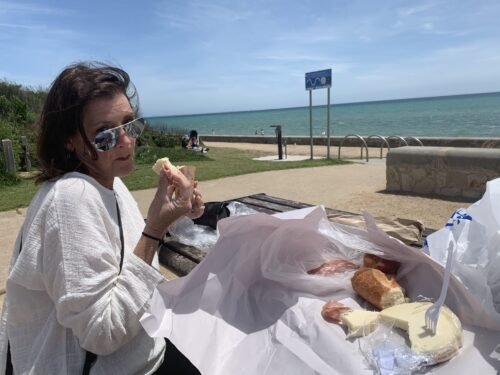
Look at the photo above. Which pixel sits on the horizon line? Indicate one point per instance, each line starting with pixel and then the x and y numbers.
pixel 324 105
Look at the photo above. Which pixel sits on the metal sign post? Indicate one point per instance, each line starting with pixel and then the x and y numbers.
pixel 319 80
pixel 311 122
pixel 328 126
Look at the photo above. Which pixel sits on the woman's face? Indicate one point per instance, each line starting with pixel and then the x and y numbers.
pixel 101 114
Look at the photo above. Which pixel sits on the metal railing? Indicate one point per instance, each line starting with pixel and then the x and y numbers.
pixel 402 141
pixel 384 141
pixel 381 143
pixel 361 139
pixel 416 140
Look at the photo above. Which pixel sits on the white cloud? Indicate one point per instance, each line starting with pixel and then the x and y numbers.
pixel 195 15
pixel 428 26
pixel 370 77
pixel 19 7
pixel 406 12
pixel 307 37
pixel 22 26
pixel 289 57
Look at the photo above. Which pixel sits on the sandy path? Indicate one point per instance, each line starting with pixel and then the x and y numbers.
pixel 291 149
pixel 352 187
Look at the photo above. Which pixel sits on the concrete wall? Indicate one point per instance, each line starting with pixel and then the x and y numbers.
pixel 480 142
pixel 443 171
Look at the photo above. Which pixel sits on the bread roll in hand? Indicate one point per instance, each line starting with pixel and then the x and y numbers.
pixel 187 170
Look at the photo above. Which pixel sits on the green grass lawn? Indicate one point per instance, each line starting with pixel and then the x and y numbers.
pixel 217 163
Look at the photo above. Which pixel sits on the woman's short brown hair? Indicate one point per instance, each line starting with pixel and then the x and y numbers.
pixel 62 113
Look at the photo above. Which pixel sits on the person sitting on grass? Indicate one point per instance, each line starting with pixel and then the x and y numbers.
pixel 193 143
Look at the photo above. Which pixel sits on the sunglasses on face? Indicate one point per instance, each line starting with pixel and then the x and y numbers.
pixel 107 139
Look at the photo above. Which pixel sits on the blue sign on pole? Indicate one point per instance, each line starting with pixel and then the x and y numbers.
pixel 319 80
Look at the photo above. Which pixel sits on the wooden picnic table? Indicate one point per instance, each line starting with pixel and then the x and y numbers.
pixel 181 258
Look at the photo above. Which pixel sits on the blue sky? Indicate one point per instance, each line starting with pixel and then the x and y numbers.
pixel 190 57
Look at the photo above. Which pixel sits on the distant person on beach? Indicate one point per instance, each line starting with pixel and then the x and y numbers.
pixel 193 139
pixel 85 263
pixel 193 142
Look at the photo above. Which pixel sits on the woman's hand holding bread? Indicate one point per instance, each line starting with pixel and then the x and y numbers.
pixel 176 196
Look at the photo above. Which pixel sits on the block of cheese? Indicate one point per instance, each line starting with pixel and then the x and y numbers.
pixel 360 322
pixel 410 317
pixel 377 288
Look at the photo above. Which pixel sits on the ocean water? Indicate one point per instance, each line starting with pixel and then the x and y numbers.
pixel 475 115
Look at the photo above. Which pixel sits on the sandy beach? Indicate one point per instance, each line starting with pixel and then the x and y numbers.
pixel 353 187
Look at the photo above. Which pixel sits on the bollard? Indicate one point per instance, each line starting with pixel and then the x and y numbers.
pixel 279 140
pixel 8 153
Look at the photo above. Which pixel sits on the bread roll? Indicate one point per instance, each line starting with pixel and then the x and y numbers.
pixel 187 170
pixel 374 286
pixel 160 163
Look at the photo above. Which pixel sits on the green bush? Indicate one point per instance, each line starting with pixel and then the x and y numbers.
pixel 7 179
pixel 19 108
pixel 20 104
pixel 5 106
pixel 149 154
pixel 161 139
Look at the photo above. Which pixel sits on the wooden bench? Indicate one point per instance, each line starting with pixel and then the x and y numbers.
pixel 181 259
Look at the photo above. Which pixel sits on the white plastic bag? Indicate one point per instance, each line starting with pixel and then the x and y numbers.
pixel 477 256
pixel 185 231
pixel 251 308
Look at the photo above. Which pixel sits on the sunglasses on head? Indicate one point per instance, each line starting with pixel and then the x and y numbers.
pixel 107 139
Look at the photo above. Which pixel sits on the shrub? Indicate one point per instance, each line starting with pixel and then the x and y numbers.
pixel 7 179
pixel 149 154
